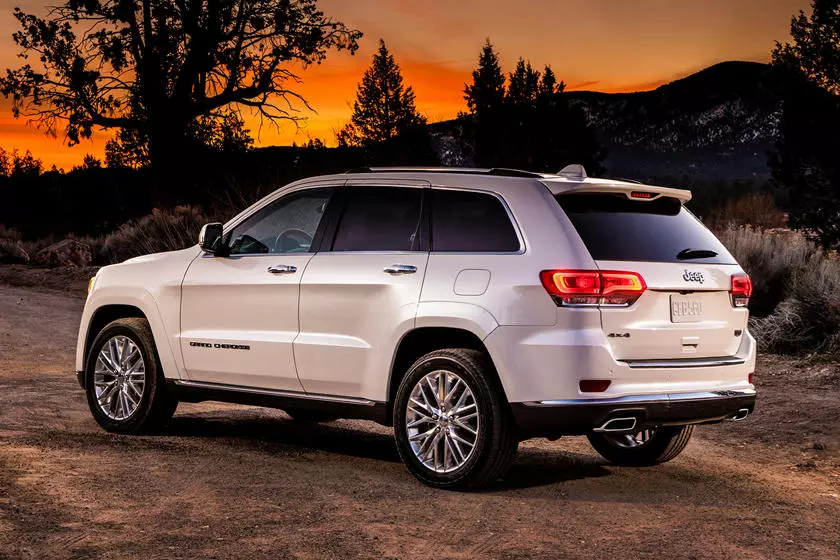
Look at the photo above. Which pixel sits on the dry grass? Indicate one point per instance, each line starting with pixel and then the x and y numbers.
pixel 796 300
pixel 169 230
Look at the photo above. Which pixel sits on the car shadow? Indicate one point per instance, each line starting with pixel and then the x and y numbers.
pixel 278 435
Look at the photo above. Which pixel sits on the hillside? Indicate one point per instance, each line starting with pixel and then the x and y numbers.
pixel 717 124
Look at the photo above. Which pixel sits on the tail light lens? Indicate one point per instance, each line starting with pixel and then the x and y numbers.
pixel 741 289
pixel 593 287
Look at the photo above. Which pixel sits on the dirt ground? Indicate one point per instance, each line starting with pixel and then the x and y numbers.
pixel 238 482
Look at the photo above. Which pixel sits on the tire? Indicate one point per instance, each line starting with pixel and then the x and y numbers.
pixel 308 416
pixel 155 405
pixel 662 444
pixel 455 465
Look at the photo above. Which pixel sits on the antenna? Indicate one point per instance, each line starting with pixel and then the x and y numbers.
pixel 573 171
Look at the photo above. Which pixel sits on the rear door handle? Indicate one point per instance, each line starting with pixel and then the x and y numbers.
pixel 282 269
pixel 400 269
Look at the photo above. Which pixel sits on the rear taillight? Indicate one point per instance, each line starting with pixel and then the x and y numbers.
pixel 741 289
pixel 593 287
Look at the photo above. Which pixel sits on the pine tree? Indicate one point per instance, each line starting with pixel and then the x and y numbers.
pixel 487 92
pixel 805 162
pixel 548 84
pixel 524 82
pixel 384 108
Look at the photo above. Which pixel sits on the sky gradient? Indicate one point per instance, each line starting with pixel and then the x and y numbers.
pixel 603 45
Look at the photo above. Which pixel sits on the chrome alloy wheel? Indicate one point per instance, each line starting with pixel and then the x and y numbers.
pixel 442 421
pixel 635 439
pixel 119 378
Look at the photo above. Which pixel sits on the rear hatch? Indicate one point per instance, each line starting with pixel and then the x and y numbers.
pixel 686 310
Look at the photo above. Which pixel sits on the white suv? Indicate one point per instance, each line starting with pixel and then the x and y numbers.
pixel 469 309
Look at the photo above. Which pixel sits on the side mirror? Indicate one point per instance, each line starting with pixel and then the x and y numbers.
pixel 210 238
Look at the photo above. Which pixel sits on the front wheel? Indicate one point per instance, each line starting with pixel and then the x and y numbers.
pixel 451 421
pixel 124 382
pixel 649 446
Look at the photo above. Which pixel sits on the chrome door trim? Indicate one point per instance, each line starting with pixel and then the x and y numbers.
pixel 684 362
pixel 656 398
pixel 275 392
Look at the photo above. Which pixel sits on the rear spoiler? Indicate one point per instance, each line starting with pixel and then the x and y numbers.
pixel 635 191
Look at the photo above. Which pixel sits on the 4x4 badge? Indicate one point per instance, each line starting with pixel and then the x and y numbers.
pixel 689 276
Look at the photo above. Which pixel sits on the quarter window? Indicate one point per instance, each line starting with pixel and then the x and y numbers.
pixel 381 219
pixel 471 222
pixel 287 225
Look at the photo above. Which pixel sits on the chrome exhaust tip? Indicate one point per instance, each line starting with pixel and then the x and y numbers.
pixel 617 425
pixel 741 414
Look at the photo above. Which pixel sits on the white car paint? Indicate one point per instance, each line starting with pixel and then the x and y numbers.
pixel 333 327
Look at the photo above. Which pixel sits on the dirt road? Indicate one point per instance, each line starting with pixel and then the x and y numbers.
pixel 239 482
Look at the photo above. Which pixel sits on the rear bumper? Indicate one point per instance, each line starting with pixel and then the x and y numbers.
pixel 577 417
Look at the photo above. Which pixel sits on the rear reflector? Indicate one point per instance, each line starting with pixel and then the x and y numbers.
pixel 750 378
pixel 594 385
pixel 593 287
pixel 741 289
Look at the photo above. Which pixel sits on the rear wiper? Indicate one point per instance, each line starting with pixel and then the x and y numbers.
pixel 687 254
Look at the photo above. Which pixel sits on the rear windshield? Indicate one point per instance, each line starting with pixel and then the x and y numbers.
pixel 616 228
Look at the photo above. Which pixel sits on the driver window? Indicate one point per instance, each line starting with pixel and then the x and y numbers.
pixel 286 225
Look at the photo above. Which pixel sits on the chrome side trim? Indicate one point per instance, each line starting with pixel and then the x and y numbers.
pixel 274 392
pixel 684 362
pixel 657 398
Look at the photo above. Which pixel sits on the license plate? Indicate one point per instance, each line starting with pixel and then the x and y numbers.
pixel 686 309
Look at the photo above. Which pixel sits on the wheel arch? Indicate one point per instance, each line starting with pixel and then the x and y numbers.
pixel 422 340
pixel 102 316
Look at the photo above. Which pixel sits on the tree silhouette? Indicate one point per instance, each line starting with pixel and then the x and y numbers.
pixel 805 161
pixel 487 92
pixel 524 82
pixel 156 66
pixel 384 108
pixel 485 123
pixel 528 125
pixel 224 132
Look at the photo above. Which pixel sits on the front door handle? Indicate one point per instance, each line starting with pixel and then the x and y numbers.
pixel 282 269
pixel 400 269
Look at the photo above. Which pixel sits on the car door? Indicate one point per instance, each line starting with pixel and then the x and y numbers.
pixel 239 313
pixel 359 294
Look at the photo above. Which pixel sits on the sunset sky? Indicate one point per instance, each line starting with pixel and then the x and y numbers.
pixel 603 45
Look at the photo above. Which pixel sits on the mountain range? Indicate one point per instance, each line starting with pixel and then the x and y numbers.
pixel 716 125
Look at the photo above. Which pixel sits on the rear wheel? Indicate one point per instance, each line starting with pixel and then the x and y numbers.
pixel 451 421
pixel 124 382
pixel 649 446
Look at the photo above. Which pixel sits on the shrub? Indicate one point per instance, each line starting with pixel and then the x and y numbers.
pixel 757 209
pixel 796 300
pixel 770 258
pixel 168 230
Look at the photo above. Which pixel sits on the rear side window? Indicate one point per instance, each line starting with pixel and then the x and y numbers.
pixel 616 228
pixel 470 222
pixel 380 219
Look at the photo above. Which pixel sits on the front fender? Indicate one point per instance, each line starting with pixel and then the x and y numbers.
pixel 143 300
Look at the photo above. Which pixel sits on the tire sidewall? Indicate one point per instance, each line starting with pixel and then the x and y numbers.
pixel 487 409
pixel 136 421
pixel 644 455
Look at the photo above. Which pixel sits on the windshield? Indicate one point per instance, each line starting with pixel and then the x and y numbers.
pixel 616 228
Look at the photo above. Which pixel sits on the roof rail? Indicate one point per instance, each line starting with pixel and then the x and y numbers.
pixel 505 172
pixel 496 171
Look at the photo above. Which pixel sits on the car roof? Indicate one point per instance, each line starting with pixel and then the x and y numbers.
pixel 571 179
